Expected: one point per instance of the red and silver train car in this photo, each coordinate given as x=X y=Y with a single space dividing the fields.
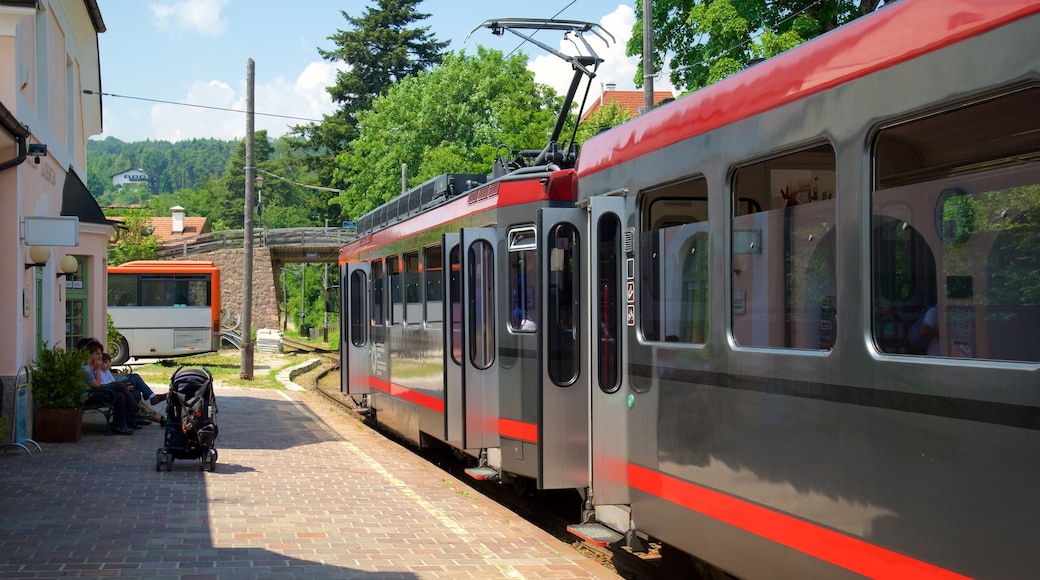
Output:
x=760 y=254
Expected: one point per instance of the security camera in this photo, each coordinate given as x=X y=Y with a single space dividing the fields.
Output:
x=37 y=150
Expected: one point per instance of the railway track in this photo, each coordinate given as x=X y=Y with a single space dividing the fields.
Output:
x=550 y=510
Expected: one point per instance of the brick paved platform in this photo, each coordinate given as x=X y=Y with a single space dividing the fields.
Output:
x=301 y=490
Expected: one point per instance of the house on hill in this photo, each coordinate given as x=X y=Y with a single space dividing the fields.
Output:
x=134 y=178
x=631 y=101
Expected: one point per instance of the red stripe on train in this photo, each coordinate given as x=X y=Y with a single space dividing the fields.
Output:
x=827 y=545
x=410 y=395
x=518 y=430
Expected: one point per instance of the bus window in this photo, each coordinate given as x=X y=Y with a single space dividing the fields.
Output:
x=433 y=273
x=562 y=295
x=412 y=298
x=784 y=270
x=607 y=313
x=955 y=225
x=358 y=316
x=523 y=279
x=378 y=302
x=674 y=264
x=393 y=273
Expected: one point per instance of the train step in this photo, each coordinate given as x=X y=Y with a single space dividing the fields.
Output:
x=595 y=534
x=482 y=473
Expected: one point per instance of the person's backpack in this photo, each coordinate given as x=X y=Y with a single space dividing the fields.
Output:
x=918 y=344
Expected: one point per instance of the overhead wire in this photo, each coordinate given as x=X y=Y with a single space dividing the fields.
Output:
x=197 y=106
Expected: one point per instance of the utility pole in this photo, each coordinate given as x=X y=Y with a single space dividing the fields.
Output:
x=648 y=55
x=246 y=371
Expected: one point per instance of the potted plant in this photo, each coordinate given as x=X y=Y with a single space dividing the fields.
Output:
x=58 y=381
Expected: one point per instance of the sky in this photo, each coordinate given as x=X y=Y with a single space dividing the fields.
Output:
x=159 y=52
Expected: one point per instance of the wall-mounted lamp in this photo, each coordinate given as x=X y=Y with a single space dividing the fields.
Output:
x=68 y=265
x=39 y=256
x=37 y=150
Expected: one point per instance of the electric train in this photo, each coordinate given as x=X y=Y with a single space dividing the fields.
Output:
x=706 y=326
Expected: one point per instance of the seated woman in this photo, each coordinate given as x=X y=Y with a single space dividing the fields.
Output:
x=138 y=389
x=125 y=407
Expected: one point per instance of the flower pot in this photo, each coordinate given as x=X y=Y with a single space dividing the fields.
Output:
x=58 y=425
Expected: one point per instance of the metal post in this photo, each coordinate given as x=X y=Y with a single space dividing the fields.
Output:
x=246 y=348
x=648 y=55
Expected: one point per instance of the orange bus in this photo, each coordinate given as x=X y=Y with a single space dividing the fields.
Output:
x=164 y=308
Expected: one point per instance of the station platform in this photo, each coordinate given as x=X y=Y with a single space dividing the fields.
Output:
x=301 y=490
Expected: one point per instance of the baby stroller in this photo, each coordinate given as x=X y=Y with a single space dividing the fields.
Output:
x=190 y=430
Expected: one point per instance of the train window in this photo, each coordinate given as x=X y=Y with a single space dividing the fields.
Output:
x=784 y=273
x=412 y=298
x=433 y=271
x=562 y=296
x=378 y=302
x=955 y=227
x=481 y=286
x=608 y=308
x=455 y=302
x=523 y=279
x=674 y=267
x=393 y=273
x=358 y=316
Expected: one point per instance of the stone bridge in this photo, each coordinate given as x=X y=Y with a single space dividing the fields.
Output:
x=272 y=250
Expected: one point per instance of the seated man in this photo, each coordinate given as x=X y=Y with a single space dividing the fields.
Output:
x=138 y=389
x=125 y=407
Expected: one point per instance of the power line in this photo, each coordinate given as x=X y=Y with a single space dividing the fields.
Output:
x=90 y=92
x=318 y=187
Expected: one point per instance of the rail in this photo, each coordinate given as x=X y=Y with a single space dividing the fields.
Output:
x=283 y=237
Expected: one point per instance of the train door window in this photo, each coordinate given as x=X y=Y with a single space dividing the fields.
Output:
x=955 y=223
x=784 y=269
x=378 y=302
x=455 y=302
x=523 y=279
x=433 y=272
x=481 y=284
x=607 y=307
x=412 y=296
x=562 y=294
x=358 y=316
x=674 y=265
x=393 y=273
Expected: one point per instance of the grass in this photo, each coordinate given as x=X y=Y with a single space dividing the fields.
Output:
x=225 y=367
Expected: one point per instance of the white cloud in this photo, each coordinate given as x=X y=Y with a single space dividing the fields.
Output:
x=616 y=68
x=200 y=16
x=303 y=98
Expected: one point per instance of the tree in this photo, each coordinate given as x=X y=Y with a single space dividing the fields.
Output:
x=708 y=40
x=451 y=119
x=133 y=240
x=380 y=49
x=605 y=117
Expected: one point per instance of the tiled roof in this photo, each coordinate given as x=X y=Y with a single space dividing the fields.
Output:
x=631 y=101
x=193 y=226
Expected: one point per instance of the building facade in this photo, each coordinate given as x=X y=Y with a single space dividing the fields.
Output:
x=54 y=235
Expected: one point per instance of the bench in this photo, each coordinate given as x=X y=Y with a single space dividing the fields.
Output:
x=103 y=401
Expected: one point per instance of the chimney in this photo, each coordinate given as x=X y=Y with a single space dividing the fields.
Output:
x=178 y=219
x=611 y=86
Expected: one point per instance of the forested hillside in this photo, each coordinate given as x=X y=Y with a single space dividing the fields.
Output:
x=175 y=166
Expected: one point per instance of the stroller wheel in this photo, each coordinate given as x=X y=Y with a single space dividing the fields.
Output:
x=158 y=460
x=169 y=464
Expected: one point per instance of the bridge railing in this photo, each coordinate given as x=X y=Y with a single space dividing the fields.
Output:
x=228 y=239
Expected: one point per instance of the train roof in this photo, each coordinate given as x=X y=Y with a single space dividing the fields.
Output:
x=894 y=34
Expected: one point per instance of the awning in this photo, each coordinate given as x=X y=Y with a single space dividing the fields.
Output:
x=76 y=200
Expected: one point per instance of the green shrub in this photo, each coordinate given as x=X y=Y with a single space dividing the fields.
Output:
x=58 y=378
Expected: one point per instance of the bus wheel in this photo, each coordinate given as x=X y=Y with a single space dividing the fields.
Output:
x=119 y=350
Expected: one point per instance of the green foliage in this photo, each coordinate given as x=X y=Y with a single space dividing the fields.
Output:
x=705 y=41
x=380 y=48
x=606 y=117
x=133 y=241
x=451 y=118
x=179 y=165
x=58 y=378
x=112 y=333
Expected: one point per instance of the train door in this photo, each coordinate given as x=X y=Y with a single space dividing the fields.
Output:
x=610 y=315
x=564 y=397
x=356 y=340
x=479 y=342
x=454 y=418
